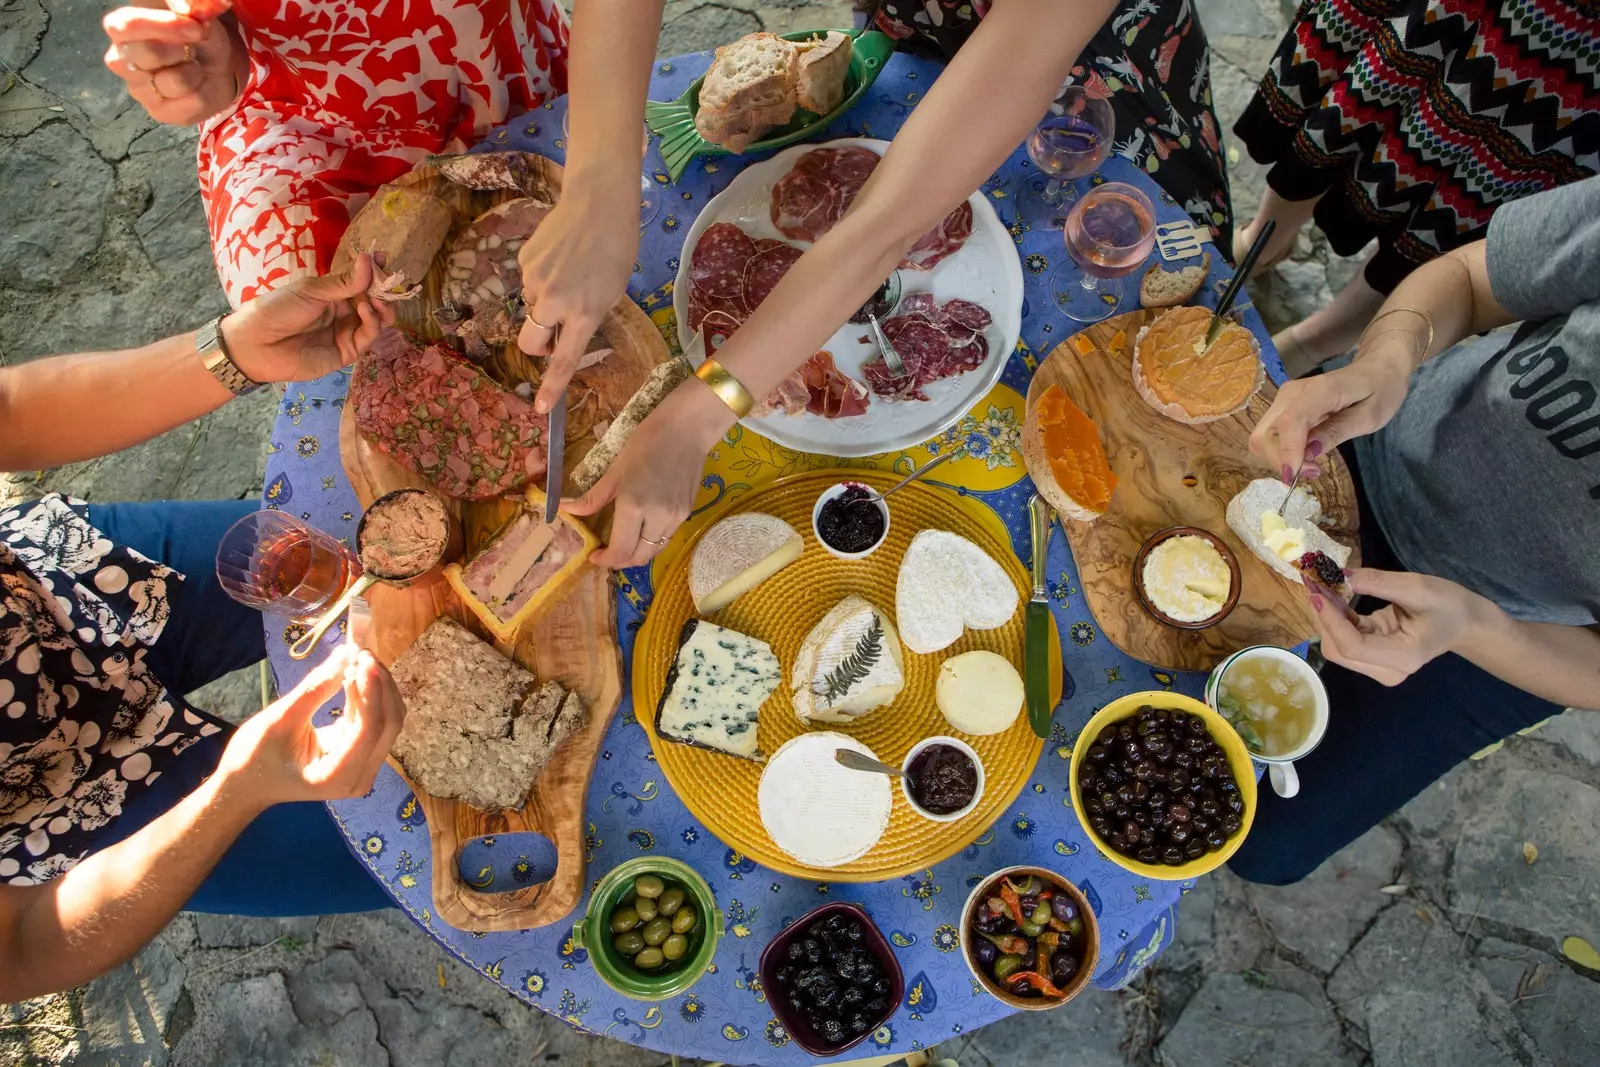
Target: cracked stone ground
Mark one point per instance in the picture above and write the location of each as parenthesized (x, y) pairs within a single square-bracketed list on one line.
[(1459, 933)]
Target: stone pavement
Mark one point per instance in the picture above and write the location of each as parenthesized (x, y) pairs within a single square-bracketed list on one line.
[(1459, 933)]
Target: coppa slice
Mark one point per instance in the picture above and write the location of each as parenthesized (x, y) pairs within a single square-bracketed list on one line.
[(1061, 446), (946, 586), (443, 418)]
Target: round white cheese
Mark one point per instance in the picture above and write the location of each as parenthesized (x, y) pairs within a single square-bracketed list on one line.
[(979, 693), (821, 813)]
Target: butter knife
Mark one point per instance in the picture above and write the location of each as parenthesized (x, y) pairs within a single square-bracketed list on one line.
[(557, 443), (1036, 625), (1246, 265)]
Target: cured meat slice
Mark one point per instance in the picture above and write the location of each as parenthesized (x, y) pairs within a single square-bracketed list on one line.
[(934, 341), (441, 417), (942, 241), (487, 170), (482, 295), (966, 314), (789, 398), (819, 189), (917, 304), (717, 264), (834, 394), (766, 269)]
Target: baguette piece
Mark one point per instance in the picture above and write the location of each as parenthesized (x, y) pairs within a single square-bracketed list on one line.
[(1265, 495), (823, 66), (1169, 288), (737, 129), (759, 70)]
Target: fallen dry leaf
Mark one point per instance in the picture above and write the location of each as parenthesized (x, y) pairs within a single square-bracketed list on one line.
[(1424, 916), (441, 976), (1530, 852), (1395, 890)]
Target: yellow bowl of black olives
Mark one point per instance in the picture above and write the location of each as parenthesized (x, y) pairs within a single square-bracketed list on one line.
[(651, 928)]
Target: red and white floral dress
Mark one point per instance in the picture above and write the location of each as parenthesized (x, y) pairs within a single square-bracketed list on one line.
[(345, 95)]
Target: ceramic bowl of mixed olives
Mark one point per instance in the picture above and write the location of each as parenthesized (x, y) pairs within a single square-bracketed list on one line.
[(1029, 938), (1163, 785), (831, 978), (651, 928)]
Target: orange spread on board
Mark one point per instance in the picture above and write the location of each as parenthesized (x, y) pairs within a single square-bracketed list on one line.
[(1077, 459), (1177, 367)]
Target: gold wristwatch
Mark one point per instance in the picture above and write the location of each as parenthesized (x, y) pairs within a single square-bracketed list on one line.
[(208, 342)]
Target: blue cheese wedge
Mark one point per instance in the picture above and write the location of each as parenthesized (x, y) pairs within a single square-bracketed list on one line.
[(849, 664), (718, 682)]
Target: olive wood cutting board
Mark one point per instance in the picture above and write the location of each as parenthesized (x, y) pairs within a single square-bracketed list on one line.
[(575, 644), (1173, 474)]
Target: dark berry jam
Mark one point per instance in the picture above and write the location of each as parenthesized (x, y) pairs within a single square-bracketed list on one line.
[(849, 522), (942, 779), (1327, 571), (879, 303)]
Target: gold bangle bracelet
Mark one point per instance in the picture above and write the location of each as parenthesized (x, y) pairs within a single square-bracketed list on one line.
[(726, 386), (1422, 354)]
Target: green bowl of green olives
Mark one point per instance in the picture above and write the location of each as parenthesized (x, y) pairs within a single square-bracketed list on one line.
[(651, 928)]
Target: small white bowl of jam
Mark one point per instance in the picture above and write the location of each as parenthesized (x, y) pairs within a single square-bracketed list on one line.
[(942, 778), (848, 523)]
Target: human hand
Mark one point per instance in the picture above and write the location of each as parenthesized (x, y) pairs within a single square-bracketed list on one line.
[(1425, 618), (181, 71), (1312, 416), (654, 478), (574, 268), (308, 327), (277, 756)]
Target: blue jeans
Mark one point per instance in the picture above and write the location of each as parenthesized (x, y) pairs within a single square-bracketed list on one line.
[(1383, 745), (292, 859)]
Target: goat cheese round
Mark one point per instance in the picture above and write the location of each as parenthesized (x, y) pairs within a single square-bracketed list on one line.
[(818, 811), (979, 693)]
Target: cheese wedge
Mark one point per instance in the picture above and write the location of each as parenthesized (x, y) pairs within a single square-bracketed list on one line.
[(850, 663), (738, 554), (946, 586), (527, 567), (979, 693), (818, 811), (718, 682)]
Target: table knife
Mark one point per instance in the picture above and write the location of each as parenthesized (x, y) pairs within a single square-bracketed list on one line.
[(557, 443), (1246, 265), (1036, 625)]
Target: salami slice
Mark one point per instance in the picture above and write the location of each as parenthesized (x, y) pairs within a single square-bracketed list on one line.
[(819, 189), (889, 385), (934, 341), (917, 304), (716, 266), (766, 269), (966, 314)]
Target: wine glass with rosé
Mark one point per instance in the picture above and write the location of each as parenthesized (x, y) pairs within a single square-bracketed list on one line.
[(649, 198), (1066, 147), (1109, 234)]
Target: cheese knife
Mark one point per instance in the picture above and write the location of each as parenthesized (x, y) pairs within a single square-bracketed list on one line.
[(557, 443), (1246, 265), (1036, 625)]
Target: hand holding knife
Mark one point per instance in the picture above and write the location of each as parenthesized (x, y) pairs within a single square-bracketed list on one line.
[(555, 452)]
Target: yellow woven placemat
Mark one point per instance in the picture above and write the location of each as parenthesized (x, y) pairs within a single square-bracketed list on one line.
[(721, 790)]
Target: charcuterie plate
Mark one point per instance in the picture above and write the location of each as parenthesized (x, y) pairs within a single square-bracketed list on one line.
[(985, 270), (575, 644), (721, 790)]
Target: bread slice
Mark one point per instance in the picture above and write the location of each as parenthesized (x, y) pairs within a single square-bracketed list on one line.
[(759, 70), (1169, 288), (823, 66), (1266, 494), (739, 128)]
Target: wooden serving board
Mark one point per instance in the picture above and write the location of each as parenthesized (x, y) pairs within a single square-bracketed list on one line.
[(575, 644), (1173, 474)]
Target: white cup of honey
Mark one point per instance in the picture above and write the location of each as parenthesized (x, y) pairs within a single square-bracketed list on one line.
[(1276, 703)]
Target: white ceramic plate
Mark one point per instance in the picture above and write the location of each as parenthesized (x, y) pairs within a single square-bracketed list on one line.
[(986, 271)]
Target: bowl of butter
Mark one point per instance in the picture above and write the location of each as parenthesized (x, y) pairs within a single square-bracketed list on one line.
[(1186, 577)]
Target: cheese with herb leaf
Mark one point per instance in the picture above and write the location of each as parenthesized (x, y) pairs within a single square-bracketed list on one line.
[(715, 689), (849, 664)]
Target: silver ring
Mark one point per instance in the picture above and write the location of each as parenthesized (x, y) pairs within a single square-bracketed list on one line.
[(653, 541), (537, 323)]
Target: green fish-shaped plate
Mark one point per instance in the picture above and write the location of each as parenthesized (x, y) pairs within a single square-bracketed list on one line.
[(673, 121)]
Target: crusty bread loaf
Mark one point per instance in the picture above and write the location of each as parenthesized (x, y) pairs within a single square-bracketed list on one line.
[(736, 130), (1266, 494), (823, 66), (1169, 288), (758, 70)]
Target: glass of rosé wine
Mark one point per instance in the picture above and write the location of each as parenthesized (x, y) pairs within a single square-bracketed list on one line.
[(277, 564), (1066, 147), (1109, 234)]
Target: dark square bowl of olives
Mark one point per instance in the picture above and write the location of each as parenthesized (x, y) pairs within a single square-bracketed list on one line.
[(651, 928), (831, 978), (1030, 938), (1163, 785)]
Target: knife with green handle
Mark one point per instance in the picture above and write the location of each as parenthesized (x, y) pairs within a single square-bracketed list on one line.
[(1036, 626)]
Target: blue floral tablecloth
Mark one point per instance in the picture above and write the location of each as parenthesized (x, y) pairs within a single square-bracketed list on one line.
[(632, 811)]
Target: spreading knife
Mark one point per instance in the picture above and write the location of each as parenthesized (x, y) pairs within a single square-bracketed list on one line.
[(1036, 625), (557, 443), (1246, 265)]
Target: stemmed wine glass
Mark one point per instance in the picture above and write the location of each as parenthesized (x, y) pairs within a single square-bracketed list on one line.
[(1065, 147), (649, 198), (1109, 234)]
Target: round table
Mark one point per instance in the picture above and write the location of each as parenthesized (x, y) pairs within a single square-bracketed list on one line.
[(632, 810)]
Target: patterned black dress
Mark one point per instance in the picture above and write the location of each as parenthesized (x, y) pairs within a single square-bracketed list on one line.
[(1415, 119), (1150, 60)]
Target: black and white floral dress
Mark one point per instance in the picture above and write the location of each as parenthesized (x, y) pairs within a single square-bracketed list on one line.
[(86, 730)]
